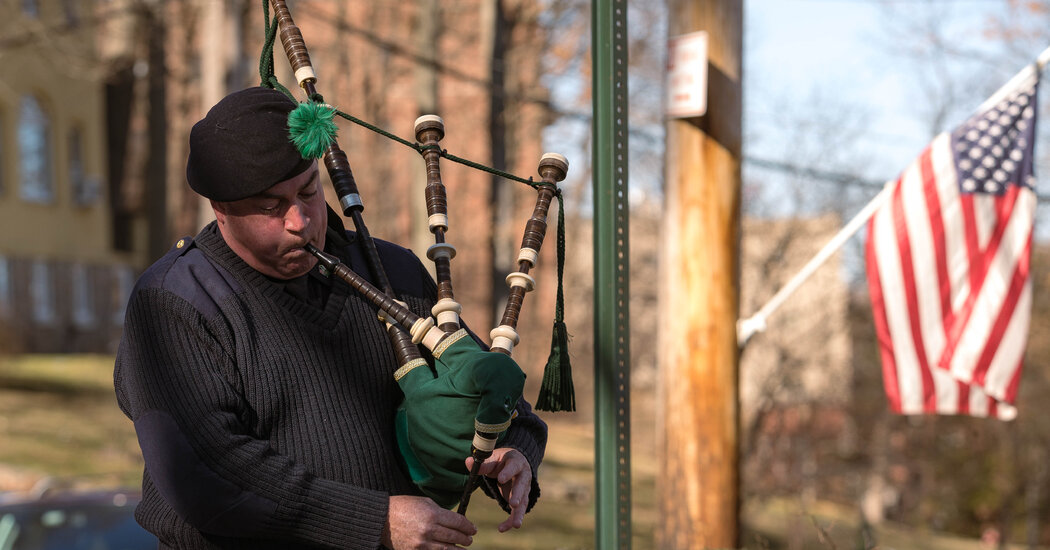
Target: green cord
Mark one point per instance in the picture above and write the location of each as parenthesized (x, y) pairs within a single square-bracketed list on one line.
[(266, 74)]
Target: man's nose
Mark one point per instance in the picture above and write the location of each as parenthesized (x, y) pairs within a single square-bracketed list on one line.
[(295, 219)]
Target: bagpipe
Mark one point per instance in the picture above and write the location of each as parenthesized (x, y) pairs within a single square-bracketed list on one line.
[(463, 404)]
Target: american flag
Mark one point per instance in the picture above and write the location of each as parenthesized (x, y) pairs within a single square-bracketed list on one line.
[(948, 264)]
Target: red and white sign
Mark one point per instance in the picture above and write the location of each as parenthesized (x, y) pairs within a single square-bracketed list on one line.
[(687, 75)]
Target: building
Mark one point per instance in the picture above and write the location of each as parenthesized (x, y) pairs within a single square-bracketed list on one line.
[(64, 272), (796, 378)]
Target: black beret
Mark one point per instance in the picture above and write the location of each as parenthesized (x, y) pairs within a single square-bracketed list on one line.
[(241, 147)]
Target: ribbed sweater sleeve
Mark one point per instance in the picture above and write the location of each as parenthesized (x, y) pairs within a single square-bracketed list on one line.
[(178, 382)]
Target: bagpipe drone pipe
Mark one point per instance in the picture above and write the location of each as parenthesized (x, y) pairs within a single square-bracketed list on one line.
[(463, 404)]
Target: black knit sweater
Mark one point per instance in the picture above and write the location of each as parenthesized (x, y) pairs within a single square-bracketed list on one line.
[(266, 421)]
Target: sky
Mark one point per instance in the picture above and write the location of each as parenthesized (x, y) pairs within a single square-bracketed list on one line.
[(797, 50), (841, 52)]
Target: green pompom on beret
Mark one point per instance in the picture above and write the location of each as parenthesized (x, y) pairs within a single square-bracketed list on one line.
[(312, 128)]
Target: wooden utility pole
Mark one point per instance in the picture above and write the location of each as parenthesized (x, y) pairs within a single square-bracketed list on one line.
[(699, 477)]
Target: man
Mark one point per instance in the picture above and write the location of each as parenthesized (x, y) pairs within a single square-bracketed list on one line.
[(262, 391)]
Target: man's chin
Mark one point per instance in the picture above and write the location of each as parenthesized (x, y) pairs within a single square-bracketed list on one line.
[(297, 267)]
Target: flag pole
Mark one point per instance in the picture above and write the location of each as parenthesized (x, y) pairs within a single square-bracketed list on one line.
[(746, 328), (1000, 94)]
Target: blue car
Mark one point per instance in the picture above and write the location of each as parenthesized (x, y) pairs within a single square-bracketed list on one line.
[(73, 521)]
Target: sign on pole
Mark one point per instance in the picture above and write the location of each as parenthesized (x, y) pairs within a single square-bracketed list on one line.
[(687, 75)]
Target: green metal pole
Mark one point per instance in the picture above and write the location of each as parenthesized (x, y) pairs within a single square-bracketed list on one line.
[(612, 358)]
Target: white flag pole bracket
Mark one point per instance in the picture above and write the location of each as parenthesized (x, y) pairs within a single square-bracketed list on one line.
[(746, 328)]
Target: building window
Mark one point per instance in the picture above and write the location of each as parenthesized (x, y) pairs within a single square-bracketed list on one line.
[(76, 165), (34, 143), (31, 8), (85, 189), (42, 292), (7, 306), (83, 306)]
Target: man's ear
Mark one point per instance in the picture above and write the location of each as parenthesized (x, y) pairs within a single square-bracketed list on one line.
[(220, 211)]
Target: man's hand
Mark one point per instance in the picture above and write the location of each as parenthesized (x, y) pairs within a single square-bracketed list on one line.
[(511, 470), (417, 523)]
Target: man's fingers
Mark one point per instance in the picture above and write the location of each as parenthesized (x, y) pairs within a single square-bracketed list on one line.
[(456, 522), (520, 490), (513, 467), (487, 465), (512, 472), (417, 522), (515, 481), (451, 537), (516, 491), (517, 515)]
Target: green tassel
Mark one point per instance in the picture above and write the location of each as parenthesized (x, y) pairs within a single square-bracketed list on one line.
[(556, 391), (312, 128)]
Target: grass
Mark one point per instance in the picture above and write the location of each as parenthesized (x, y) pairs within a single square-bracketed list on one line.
[(782, 523), (59, 420)]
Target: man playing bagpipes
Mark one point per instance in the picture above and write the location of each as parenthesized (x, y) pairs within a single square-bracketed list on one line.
[(261, 387)]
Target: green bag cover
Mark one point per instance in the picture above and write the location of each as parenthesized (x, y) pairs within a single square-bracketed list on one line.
[(472, 389)]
